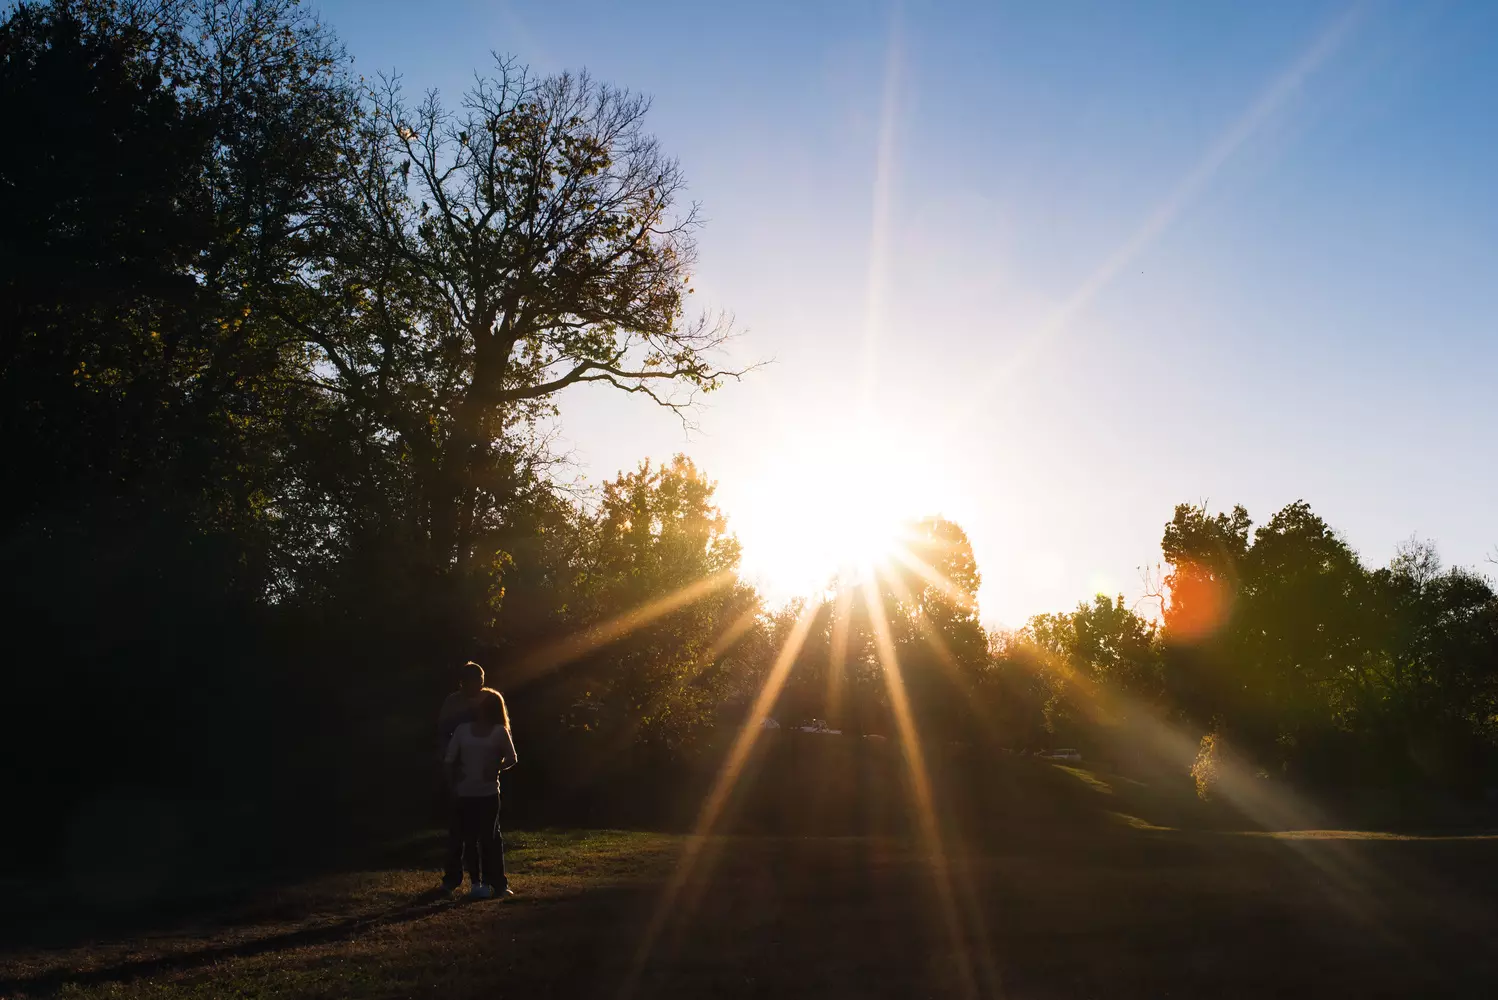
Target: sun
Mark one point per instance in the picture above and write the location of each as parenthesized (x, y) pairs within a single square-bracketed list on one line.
[(822, 526), (829, 502)]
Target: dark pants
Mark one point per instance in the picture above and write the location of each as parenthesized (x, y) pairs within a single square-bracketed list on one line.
[(454, 872), (480, 841)]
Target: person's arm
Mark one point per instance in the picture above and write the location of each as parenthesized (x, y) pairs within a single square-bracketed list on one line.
[(502, 753), (450, 760), (448, 719), (507, 758)]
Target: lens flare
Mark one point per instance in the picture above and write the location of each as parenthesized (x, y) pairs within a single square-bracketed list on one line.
[(1199, 603), (920, 787), (686, 873), (574, 647)]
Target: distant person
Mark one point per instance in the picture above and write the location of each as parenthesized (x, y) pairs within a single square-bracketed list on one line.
[(456, 710), (479, 750)]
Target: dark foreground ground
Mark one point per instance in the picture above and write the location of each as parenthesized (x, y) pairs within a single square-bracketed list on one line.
[(1044, 906)]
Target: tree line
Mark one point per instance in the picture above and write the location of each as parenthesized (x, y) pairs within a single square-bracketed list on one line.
[(281, 350), (1281, 644)]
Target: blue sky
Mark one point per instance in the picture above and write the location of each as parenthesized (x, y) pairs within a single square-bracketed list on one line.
[(1072, 262)]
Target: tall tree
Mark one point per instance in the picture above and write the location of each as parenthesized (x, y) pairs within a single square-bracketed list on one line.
[(1099, 661), (1300, 631), (495, 255), (155, 212), (1205, 553), (943, 647), (657, 536), (158, 208), (1315, 665)]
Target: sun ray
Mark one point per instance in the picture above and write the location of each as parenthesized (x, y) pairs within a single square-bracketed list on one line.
[(712, 807), (875, 304), (943, 653), (902, 555), (992, 980), (626, 734), (920, 785), (1347, 879), (1280, 91), (573, 647), (837, 655)]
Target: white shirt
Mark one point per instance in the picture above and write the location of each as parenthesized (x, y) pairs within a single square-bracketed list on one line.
[(479, 759)]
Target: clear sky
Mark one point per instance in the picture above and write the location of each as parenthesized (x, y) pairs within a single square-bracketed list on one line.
[(1049, 269)]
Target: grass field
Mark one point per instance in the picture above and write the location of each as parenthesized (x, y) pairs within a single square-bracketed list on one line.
[(1087, 889)]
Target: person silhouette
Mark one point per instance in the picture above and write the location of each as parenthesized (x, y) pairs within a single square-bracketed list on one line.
[(480, 749), (457, 709)]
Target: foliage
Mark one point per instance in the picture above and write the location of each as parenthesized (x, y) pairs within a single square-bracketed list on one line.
[(1319, 665), (1281, 647), (154, 212), (657, 535), (148, 395), (485, 260), (280, 352), (1099, 645), (274, 387), (1204, 770)]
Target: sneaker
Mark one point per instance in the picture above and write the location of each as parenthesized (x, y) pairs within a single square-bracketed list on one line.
[(505, 893), (481, 891)]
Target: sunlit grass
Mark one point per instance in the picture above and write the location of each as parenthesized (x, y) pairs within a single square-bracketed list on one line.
[(589, 853), (1105, 895), (1361, 835), (1136, 823), (345, 934), (1087, 778)]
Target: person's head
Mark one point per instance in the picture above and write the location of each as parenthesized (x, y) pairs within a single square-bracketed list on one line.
[(490, 708), (470, 678)]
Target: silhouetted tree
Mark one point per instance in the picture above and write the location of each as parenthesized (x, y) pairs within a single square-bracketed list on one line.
[(492, 257), (922, 600), (658, 555), (155, 213), (1308, 662), (1016, 690), (1101, 660)]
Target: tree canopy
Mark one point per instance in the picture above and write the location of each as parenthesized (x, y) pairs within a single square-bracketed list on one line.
[(280, 353)]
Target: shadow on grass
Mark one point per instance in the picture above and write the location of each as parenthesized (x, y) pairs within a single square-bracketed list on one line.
[(1119, 912), (44, 913), (425, 905), (555, 925)]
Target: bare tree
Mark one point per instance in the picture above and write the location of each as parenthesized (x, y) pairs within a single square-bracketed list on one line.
[(497, 254), (1417, 560)]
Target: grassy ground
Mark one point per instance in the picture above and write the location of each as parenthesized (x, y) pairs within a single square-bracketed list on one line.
[(1084, 890)]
